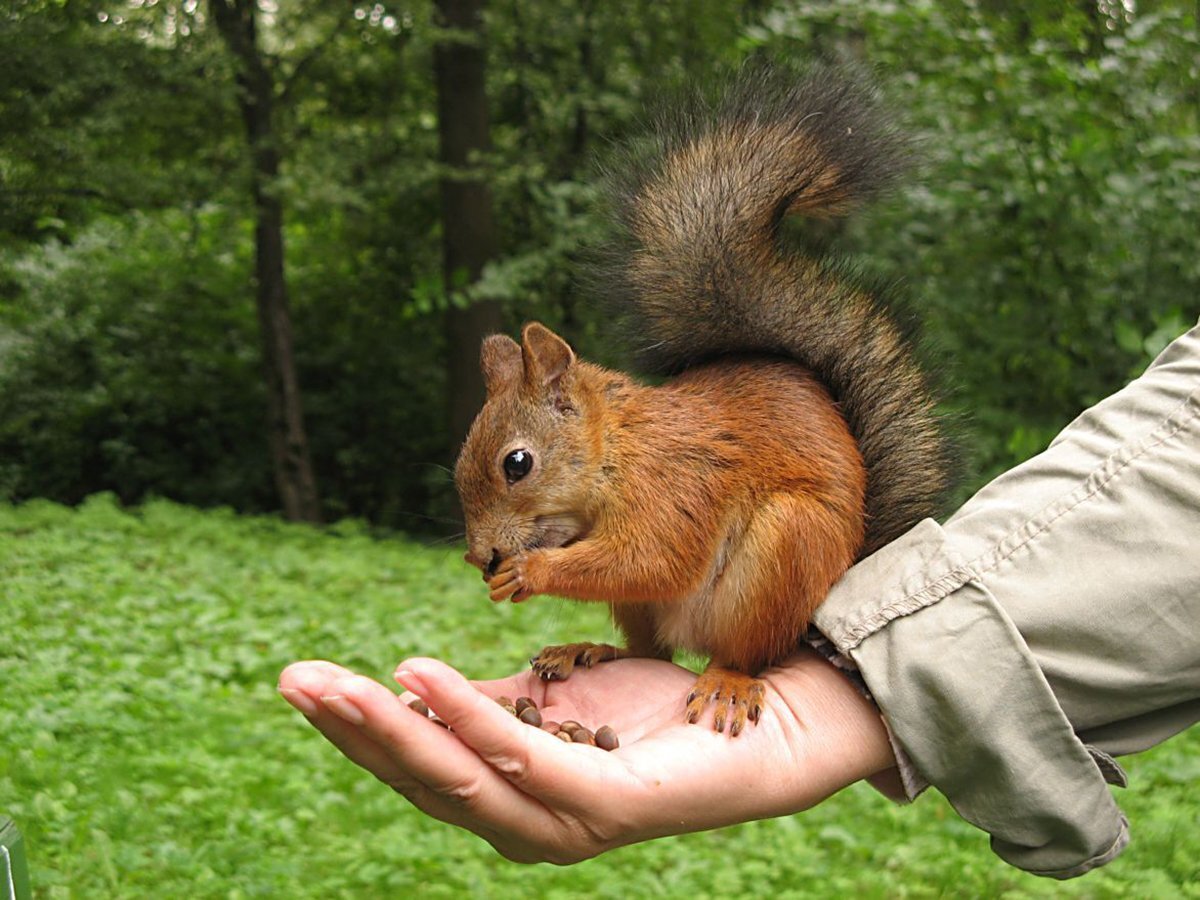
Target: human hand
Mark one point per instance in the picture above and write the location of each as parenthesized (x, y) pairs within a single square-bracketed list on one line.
[(535, 798)]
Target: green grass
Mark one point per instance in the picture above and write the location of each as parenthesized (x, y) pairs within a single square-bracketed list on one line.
[(145, 753)]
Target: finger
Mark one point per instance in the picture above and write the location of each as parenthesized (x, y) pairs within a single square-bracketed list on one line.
[(566, 777), (522, 684), (302, 684), (312, 680), (313, 666), (438, 760), (317, 678)]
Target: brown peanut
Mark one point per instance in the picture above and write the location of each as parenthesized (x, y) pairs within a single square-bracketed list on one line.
[(418, 706), (584, 736), (507, 704), (606, 738)]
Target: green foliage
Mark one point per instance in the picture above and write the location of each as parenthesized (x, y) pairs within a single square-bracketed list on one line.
[(104, 112), (140, 102), (146, 753), (131, 362), (1048, 239), (1050, 236)]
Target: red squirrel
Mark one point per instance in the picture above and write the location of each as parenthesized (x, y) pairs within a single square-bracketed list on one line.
[(714, 511)]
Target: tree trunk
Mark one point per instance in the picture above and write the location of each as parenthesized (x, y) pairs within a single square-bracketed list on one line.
[(468, 230), (235, 19)]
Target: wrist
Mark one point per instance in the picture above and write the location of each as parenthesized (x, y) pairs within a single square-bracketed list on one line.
[(837, 735)]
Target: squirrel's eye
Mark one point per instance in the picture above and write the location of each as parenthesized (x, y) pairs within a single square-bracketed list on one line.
[(517, 465)]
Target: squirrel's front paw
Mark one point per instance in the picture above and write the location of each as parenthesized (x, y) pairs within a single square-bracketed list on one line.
[(738, 698), (511, 580), (556, 663)]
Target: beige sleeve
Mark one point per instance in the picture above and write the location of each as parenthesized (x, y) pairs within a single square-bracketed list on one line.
[(1052, 622)]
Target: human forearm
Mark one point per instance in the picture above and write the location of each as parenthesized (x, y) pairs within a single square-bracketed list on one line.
[(1057, 607)]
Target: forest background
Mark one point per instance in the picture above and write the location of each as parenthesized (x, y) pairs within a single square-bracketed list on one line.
[(247, 251)]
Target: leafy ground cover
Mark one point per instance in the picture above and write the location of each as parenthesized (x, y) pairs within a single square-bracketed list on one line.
[(145, 753)]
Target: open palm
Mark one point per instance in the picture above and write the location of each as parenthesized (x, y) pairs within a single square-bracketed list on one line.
[(536, 798)]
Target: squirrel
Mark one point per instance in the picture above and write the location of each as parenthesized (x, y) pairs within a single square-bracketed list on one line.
[(794, 435)]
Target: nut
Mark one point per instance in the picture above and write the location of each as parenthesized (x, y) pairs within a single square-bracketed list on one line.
[(530, 716), (606, 738), (552, 727), (583, 736), (418, 706), (507, 703), (564, 737), (570, 726), (524, 703)]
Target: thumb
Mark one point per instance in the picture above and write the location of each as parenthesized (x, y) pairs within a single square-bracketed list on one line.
[(563, 776)]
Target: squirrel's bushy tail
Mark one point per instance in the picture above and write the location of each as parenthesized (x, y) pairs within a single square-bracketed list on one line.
[(705, 273)]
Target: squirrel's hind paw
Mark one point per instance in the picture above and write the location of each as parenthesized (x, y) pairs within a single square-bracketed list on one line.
[(738, 698)]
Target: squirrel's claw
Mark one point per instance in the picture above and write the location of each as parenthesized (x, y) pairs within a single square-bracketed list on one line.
[(556, 663), (738, 699)]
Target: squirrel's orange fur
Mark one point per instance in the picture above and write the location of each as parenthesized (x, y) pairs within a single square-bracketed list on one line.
[(715, 511)]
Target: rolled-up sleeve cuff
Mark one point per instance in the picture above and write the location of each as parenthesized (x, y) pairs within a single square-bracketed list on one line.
[(969, 710)]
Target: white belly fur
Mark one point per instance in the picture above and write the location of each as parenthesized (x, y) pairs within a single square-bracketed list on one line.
[(683, 625)]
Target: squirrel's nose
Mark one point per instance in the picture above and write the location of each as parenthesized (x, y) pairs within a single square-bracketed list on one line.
[(493, 563)]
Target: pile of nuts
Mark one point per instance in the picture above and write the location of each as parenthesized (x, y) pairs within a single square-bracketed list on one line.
[(526, 710)]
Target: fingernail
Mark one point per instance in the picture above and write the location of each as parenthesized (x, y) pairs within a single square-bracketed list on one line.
[(344, 708), (300, 700), (411, 682)]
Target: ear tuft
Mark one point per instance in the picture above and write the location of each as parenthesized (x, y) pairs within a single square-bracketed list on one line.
[(547, 356), (500, 360)]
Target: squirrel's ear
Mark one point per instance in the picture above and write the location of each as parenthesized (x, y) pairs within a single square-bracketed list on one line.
[(547, 357), (500, 359)]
